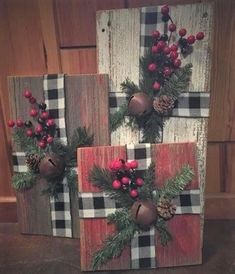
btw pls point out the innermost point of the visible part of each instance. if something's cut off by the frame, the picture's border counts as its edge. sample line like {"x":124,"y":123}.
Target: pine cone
{"x":163,"y":104}
{"x":166,"y":209}
{"x":32,"y":162}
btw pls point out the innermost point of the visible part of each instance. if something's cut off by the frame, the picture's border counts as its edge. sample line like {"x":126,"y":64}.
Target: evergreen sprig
{"x":175,"y":186}
{"x":129,"y":87}
{"x":103,"y":179}
{"x":164,"y":234}
{"x":118,"y":118}
{"x":24,"y":180}
{"x":146,"y":191}
{"x":114,"y":244}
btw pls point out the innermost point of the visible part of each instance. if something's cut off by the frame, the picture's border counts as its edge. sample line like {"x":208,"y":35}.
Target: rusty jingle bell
{"x":144,"y":213}
{"x":140,"y":104}
{"x":51,"y":166}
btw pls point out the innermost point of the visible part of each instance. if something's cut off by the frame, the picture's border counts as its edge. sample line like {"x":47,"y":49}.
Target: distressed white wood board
{"x":118,"y":51}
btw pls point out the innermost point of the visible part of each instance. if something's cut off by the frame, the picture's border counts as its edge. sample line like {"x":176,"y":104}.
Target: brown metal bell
{"x":51,"y":166}
{"x":140,"y":104}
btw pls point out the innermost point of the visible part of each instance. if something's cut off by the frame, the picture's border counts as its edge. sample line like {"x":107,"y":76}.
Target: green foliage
{"x":174,"y":186}
{"x":53,"y":188}
{"x":24,"y":180}
{"x":117,"y":118}
{"x":146,"y":191}
{"x":114,"y":244}
{"x":71,"y":176}
{"x":164,"y":234}
{"x":178,"y":82}
{"x":121,"y":217}
{"x":129,"y":87}
{"x":26,"y":144}
{"x":103,"y":179}
{"x":59,"y":148}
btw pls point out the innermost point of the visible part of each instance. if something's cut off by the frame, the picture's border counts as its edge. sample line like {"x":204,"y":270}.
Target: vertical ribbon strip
{"x":53,"y":86}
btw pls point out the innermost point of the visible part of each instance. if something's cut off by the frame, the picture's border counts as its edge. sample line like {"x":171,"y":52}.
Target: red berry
{"x":156,"y":86}
{"x":32,"y":100}
{"x":152,"y":67}
{"x":156,"y":34}
{"x":172,"y":27}
{"x":19,"y":123}
{"x":134,"y":193}
{"x":174,"y":55}
{"x":165,"y":10}
{"x":182,"y":32}
{"x":42,"y":144}
{"x":116,"y":165}
{"x":50,"y":122}
{"x":128,"y":165}
{"x":177,"y":63}
{"x":27,"y":94}
{"x":155,"y":49}
{"x":33,"y":112}
{"x":139,"y":181}
{"x":11,"y":123}
{"x":166,"y":50}
{"x":125,"y":180}
{"x":116,"y":184}
{"x":38,"y":128}
{"x":167,"y":71}
{"x":161,"y":44}
{"x":174,"y":47}
{"x":134,"y":164}
{"x":200,"y":35}
{"x":191,"y":39}
{"x":50,"y":139}
{"x":29,"y":132}
{"x":44,"y":115}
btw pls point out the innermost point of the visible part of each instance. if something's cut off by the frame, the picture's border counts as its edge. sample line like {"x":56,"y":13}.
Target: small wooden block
{"x":185,"y":249}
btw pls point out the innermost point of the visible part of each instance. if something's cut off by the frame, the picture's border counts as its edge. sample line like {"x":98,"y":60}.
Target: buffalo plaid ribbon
{"x":99,"y":205}
{"x":53,"y":86}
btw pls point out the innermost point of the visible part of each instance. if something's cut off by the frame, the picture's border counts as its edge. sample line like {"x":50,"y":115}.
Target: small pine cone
{"x":32,"y":162}
{"x":166,"y":209}
{"x":163,"y":104}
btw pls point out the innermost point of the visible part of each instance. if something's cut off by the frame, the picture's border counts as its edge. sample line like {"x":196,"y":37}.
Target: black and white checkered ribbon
{"x":189,"y":104}
{"x":53,"y":86}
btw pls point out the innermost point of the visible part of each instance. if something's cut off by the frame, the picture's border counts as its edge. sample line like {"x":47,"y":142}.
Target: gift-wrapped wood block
{"x":144,"y":249}
{"x":72,"y":101}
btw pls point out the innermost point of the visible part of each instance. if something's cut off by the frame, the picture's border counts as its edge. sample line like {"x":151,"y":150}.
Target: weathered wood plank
{"x":94,"y":231}
{"x":79,"y":61}
{"x":33,"y":210}
{"x":185,"y":249}
{"x":118,"y":55}
{"x":87,"y":105}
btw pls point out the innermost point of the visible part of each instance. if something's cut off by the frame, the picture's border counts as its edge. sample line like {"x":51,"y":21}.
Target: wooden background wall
{"x":51,"y":36}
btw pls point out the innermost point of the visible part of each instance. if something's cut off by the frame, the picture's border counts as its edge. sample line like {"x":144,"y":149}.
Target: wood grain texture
{"x":49,"y":34}
{"x":185,"y":249}
{"x":145,"y":3}
{"x":229,"y":168}
{"x":79,"y":61}
{"x":8,"y":209}
{"x":87,"y":105}
{"x":33,"y":210}
{"x":76,"y":20}
{"x":118,"y":55}
{"x":94,"y":231}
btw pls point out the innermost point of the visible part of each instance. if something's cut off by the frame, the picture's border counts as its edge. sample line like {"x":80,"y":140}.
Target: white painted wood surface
{"x":118,"y":50}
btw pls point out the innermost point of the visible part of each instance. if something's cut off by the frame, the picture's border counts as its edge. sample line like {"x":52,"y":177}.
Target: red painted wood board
{"x":185,"y":249}
{"x":169,"y":158}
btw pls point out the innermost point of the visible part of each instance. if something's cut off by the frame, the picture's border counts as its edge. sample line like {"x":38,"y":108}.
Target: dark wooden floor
{"x":36,"y":254}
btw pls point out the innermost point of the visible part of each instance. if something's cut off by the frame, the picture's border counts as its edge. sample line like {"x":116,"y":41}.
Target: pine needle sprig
{"x":103,"y":179}
{"x":175,"y":186}
{"x":114,"y":245}
{"x":118,"y":118}
{"x":164,"y":234}
{"x":71,"y":176}
{"x":129,"y":87}
{"x":178,"y":82}
{"x":59,"y":148}
{"x":121,"y":218}
{"x":146,"y":191}
{"x":24,"y":180}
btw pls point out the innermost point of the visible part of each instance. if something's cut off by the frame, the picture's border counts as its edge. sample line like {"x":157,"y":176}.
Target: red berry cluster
{"x":125,"y":176}
{"x":45,"y":128}
{"x":165,"y":55}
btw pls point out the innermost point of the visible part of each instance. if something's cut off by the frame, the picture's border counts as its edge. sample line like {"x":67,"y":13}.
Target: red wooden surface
{"x":94,"y":231}
{"x":185,"y":249}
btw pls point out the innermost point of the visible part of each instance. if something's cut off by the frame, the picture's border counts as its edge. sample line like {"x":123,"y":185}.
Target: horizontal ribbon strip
{"x":189,"y":104}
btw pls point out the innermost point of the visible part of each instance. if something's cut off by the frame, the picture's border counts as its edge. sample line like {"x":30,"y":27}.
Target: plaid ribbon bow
{"x":99,"y":205}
